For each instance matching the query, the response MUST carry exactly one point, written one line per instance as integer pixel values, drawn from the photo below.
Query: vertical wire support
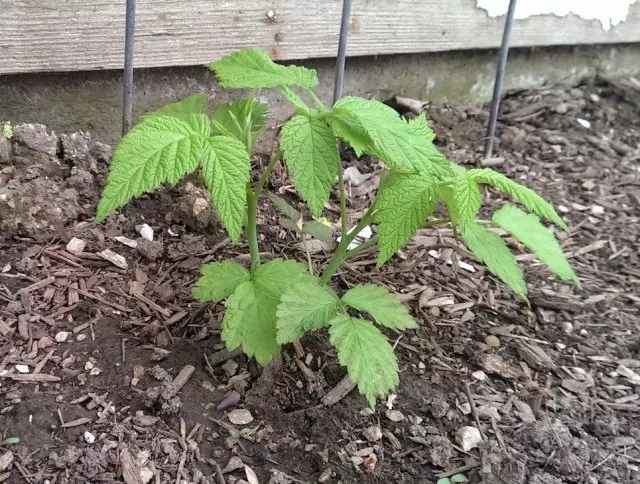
(342, 50)
(497, 86)
(127, 79)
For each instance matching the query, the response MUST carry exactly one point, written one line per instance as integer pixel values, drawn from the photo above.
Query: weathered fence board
(69, 35)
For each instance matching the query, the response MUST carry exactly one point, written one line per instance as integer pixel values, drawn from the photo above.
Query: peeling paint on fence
(609, 13)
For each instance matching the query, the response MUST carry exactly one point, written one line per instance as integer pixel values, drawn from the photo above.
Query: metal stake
(342, 50)
(497, 86)
(128, 65)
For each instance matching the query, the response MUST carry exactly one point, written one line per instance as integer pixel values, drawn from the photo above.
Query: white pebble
(89, 438)
(584, 123)
(146, 232)
(22, 368)
(76, 245)
(597, 210)
(395, 415)
(468, 438)
(62, 336)
(240, 417)
(479, 375)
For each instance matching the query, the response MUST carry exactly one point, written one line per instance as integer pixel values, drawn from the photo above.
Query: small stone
(240, 417)
(62, 336)
(22, 368)
(367, 412)
(45, 342)
(479, 375)
(567, 327)
(146, 232)
(594, 97)
(492, 341)
(373, 433)
(89, 438)
(589, 185)
(394, 415)
(75, 245)
(468, 438)
(95, 371)
(325, 475)
(597, 210)
(439, 407)
(81, 337)
(230, 367)
(116, 259)
(562, 108)
(89, 365)
(356, 460)
(234, 464)
(584, 123)
(6, 460)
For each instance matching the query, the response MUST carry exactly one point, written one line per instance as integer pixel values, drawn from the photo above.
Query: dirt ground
(110, 372)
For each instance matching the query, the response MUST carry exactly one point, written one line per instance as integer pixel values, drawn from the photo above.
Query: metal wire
(342, 50)
(497, 86)
(127, 80)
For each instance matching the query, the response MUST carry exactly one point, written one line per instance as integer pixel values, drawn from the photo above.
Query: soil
(112, 373)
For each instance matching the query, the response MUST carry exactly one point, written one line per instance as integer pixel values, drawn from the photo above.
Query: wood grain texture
(70, 35)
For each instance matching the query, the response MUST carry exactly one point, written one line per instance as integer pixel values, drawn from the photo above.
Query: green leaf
(384, 307)
(527, 197)
(421, 123)
(243, 119)
(252, 68)
(444, 480)
(305, 306)
(157, 150)
(537, 238)
(284, 207)
(218, 280)
(396, 142)
(293, 98)
(404, 202)
(318, 230)
(348, 129)
(226, 170)
(466, 199)
(7, 131)
(312, 157)
(367, 354)
(458, 478)
(490, 249)
(250, 318)
(194, 104)
(11, 441)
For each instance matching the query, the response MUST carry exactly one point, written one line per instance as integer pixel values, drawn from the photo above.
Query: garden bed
(110, 372)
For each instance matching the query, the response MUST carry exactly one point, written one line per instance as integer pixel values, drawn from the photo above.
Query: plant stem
(343, 203)
(341, 251)
(267, 172)
(252, 230)
(440, 221)
(361, 248)
(315, 98)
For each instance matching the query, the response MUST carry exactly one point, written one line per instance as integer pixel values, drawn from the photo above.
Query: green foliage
(385, 308)
(490, 249)
(305, 306)
(253, 68)
(250, 317)
(7, 131)
(403, 206)
(312, 156)
(278, 302)
(243, 119)
(537, 238)
(219, 280)
(456, 478)
(367, 354)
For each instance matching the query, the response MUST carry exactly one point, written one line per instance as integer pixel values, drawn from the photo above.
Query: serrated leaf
(194, 104)
(226, 170)
(349, 130)
(404, 202)
(305, 306)
(284, 207)
(252, 68)
(319, 231)
(466, 199)
(250, 318)
(243, 119)
(157, 150)
(385, 308)
(527, 197)
(218, 280)
(293, 98)
(537, 238)
(312, 156)
(420, 122)
(491, 250)
(367, 354)
(396, 142)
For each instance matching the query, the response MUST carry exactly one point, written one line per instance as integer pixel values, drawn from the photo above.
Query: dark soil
(141, 389)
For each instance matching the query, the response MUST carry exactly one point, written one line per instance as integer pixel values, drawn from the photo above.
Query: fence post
(497, 86)
(127, 79)
(342, 50)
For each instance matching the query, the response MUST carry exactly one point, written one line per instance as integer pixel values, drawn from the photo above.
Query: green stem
(267, 172)
(339, 255)
(343, 202)
(440, 221)
(252, 229)
(315, 98)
